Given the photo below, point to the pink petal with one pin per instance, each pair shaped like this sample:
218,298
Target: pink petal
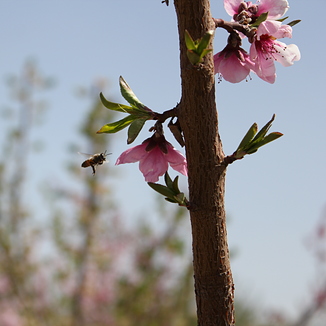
269,27
287,54
176,160
264,65
232,6
233,70
253,51
275,8
274,28
284,31
266,70
132,155
153,165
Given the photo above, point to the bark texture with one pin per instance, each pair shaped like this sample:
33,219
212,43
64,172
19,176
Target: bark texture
199,121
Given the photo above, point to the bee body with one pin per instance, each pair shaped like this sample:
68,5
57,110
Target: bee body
95,160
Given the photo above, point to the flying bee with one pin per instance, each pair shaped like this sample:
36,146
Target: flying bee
95,160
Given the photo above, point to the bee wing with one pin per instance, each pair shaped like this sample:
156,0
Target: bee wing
84,154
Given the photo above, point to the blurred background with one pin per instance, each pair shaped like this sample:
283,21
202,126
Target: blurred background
77,249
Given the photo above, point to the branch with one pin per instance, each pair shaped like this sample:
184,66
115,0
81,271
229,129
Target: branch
161,117
235,26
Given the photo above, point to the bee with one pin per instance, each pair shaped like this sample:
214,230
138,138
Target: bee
95,160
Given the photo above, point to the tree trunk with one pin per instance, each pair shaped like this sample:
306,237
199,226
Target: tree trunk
199,121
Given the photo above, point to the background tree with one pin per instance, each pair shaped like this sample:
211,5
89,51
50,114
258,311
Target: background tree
19,230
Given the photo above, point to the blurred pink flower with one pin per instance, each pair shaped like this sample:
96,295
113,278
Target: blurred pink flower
9,316
266,49
154,156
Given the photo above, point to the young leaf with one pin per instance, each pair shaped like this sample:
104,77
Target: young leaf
165,191
204,43
270,137
294,22
134,129
114,127
248,136
175,186
282,19
190,44
260,19
263,131
251,151
204,53
180,198
129,95
193,57
171,200
168,181
114,106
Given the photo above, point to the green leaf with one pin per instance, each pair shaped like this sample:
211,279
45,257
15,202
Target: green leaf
248,136
171,200
180,198
129,95
294,22
114,127
193,57
204,43
171,192
263,131
175,185
204,53
251,151
190,44
134,129
260,19
115,106
165,191
250,143
168,180
282,19
270,137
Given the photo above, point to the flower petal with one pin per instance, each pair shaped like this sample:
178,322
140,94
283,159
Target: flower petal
232,6
269,27
132,155
232,68
266,70
284,31
264,65
287,54
176,160
275,8
153,165
275,29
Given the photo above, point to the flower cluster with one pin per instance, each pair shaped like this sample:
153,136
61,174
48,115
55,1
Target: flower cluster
260,24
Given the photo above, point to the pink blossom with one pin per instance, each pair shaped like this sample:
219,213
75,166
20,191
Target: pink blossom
154,156
239,9
266,49
232,64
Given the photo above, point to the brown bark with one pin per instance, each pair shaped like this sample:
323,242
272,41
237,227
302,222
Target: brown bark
199,121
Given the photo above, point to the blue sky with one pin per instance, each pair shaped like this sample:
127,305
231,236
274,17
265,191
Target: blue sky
274,197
